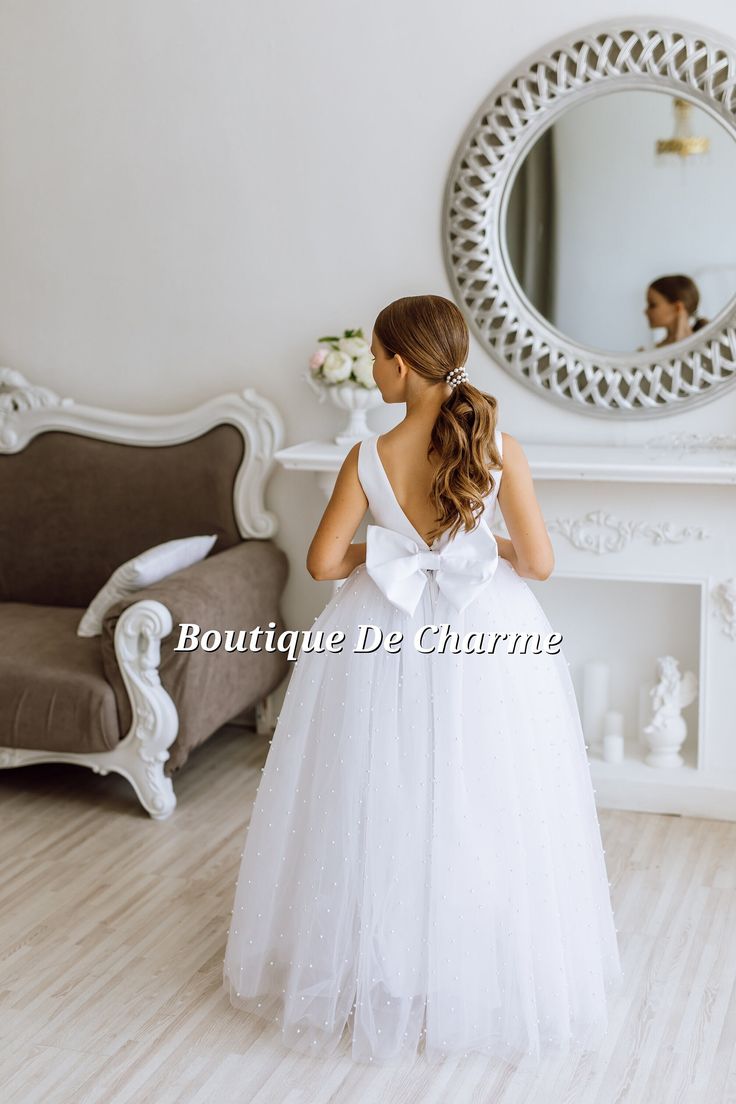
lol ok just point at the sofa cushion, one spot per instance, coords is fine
(149, 567)
(74, 508)
(53, 691)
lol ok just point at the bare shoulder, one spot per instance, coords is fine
(512, 450)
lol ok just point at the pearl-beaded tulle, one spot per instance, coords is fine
(423, 864)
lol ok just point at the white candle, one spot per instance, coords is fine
(613, 723)
(595, 699)
(613, 747)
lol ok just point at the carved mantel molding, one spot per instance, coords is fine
(600, 532)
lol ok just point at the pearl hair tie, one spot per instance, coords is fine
(456, 376)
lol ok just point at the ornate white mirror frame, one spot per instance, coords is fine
(686, 61)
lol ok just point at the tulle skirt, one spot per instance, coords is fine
(423, 864)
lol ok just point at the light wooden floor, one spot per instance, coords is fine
(112, 934)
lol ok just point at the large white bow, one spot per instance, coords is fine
(398, 566)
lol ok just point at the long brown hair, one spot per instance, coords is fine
(684, 289)
(430, 333)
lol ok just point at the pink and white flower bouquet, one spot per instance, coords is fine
(346, 359)
(342, 367)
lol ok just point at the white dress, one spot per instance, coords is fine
(423, 863)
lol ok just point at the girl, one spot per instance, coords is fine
(672, 303)
(423, 863)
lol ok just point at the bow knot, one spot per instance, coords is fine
(398, 566)
(428, 561)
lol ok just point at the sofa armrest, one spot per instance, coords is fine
(239, 588)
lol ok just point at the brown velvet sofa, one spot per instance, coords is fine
(82, 491)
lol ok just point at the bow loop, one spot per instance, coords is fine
(398, 566)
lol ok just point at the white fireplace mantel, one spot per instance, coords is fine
(655, 515)
(614, 463)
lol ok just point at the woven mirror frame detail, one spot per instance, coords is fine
(684, 61)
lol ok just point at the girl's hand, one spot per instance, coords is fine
(506, 551)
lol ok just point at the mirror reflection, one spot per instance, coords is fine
(619, 226)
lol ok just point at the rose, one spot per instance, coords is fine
(353, 346)
(363, 371)
(337, 366)
(317, 360)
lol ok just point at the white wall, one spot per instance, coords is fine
(191, 193)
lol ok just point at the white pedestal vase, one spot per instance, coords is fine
(358, 400)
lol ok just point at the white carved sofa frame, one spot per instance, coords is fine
(27, 410)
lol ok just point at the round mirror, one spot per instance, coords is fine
(588, 233)
(622, 192)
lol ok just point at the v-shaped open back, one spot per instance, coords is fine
(384, 505)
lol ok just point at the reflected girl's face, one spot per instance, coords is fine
(659, 311)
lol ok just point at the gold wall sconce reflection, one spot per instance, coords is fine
(683, 142)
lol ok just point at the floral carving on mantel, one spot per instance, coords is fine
(724, 605)
(600, 532)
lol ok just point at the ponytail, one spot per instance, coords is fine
(464, 436)
(430, 333)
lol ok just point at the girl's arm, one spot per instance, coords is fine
(331, 555)
(529, 551)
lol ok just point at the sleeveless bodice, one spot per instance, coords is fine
(383, 503)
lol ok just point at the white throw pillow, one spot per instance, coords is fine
(148, 567)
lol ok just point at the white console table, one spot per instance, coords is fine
(645, 565)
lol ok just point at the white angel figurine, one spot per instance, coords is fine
(667, 730)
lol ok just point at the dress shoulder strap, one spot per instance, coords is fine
(366, 470)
